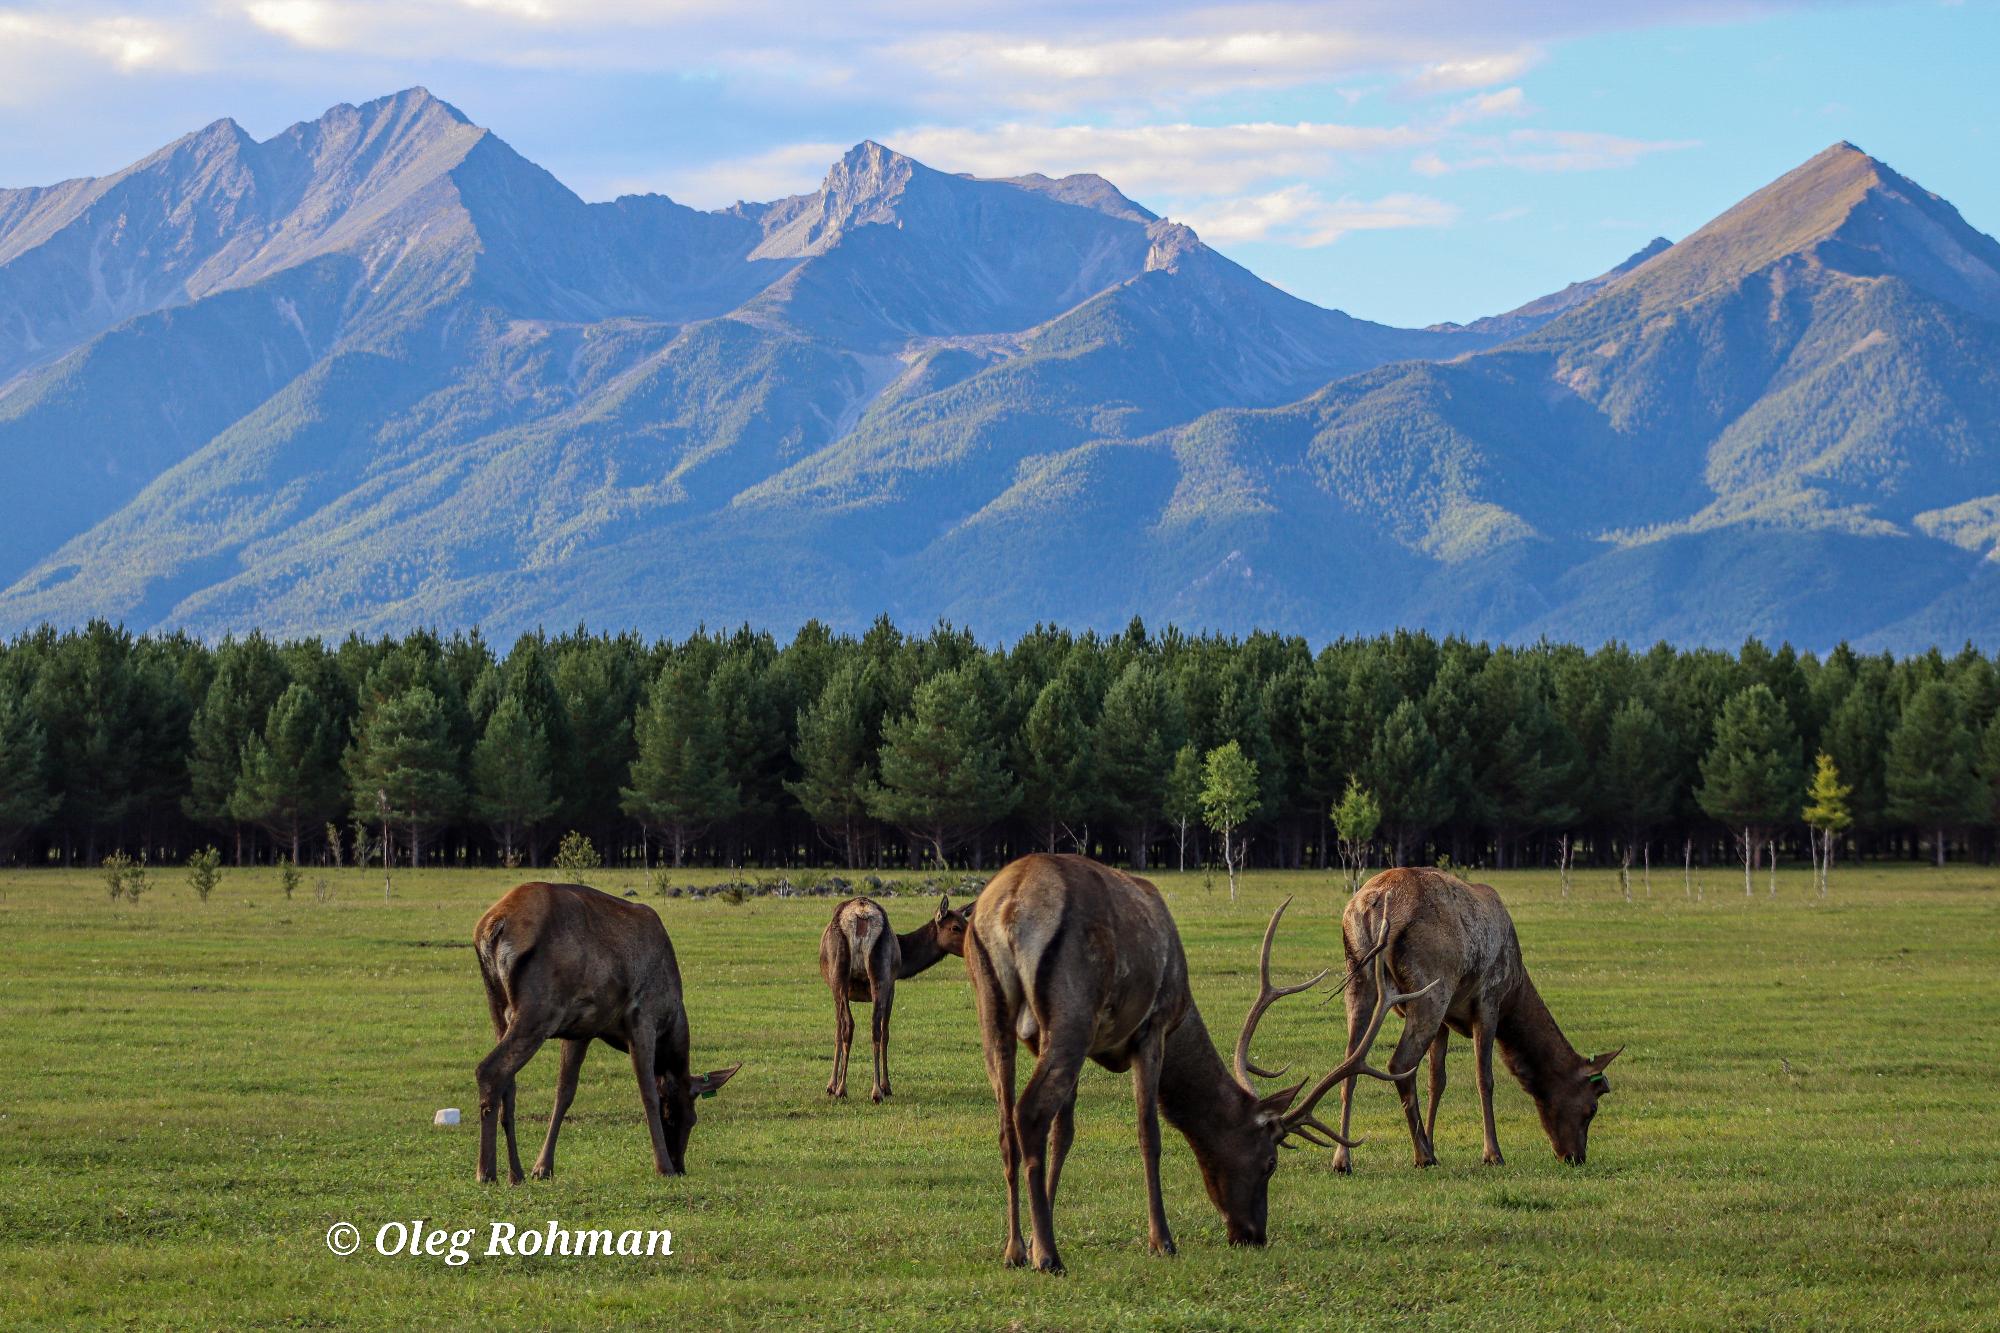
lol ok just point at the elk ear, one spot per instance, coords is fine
(707, 1085)
(1598, 1063)
(1280, 1101)
(944, 906)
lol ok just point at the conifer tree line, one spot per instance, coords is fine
(891, 749)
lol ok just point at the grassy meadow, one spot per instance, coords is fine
(1805, 1128)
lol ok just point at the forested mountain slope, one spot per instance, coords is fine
(380, 370)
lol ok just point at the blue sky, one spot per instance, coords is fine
(1406, 161)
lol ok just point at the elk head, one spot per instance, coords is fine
(677, 1116)
(951, 926)
(1237, 1168)
(1568, 1107)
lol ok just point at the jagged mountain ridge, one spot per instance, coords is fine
(651, 360)
(380, 369)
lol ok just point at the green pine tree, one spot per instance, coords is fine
(405, 757)
(249, 677)
(943, 778)
(26, 803)
(1137, 734)
(1633, 778)
(289, 778)
(1929, 773)
(513, 788)
(680, 775)
(1751, 779)
(1053, 757)
(835, 765)
(1403, 766)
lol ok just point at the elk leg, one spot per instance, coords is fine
(514, 1173)
(1050, 1089)
(1146, 1063)
(1482, 1045)
(1343, 1159)
(1061, 1135)
(833, 965)
(1437, 1083)
(496, 1080)
(644, 1049)
(885, 1001)
(1360, 1000)
(996, 1031)
(1420, 1028)
(843, 1041)
(573, 1051)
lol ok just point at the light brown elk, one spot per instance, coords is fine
(862, 959)
(1079, 961)
(569, 962)
(1455, 943)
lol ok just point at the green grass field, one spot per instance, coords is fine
(1805, 1130)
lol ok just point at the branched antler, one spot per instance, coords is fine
(1267, 995)
(1300, 1118)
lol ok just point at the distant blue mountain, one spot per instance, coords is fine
(381, 370)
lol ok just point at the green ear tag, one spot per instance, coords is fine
(708, 1093)
(1598, 1079)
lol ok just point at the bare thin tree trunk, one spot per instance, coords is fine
(1687, 868)
(1749, 860)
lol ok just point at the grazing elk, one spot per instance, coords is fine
(1079, 961)
(566, 961)
(862, 959)
(1431, 928)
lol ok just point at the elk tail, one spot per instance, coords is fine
(497, 961)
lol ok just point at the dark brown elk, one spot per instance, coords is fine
(1454, 945)
(569, 962)
(862, 959)
(1079, 961)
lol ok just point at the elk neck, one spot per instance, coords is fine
(1532, 1045)
(920, 950)
(1198, 1094)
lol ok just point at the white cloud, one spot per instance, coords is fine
(1489, 106)
(1549, 150)
(1171, 160)
(1298, 215)
(1475, 71)
(42, 53)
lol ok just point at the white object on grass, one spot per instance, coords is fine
(448, 1116)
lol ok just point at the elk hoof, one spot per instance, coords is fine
(1051, 1265)
(1343, 1166)
(543, 1171)
(1492, 1159)
(875, 1095)
(1162, 1245)
(482, 1176)
(515, 1177)
(1014, 1256)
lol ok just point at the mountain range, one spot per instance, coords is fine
(381, 370)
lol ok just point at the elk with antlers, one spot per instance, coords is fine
(862, 959)
(1078, 961)
(569, 962)
(1425, 926)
